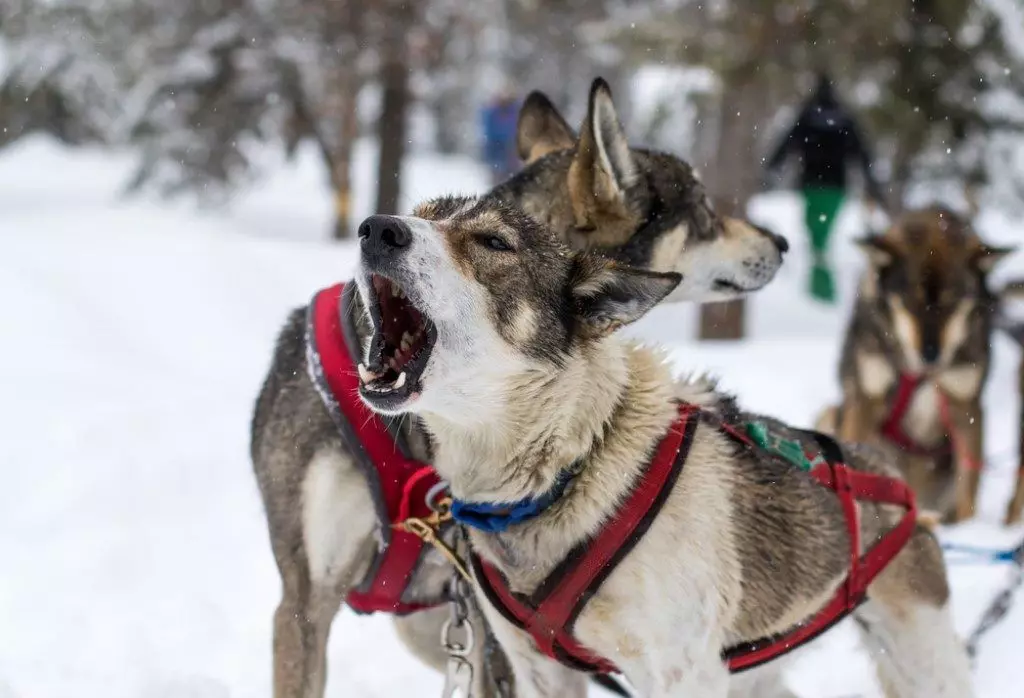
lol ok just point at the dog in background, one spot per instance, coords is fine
(917, 353)
(525, 381)
(596, 192)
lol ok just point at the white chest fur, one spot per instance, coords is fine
(923, 420)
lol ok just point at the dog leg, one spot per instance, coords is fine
(534, 675)
(908, 629)
(319, 563)
(1013, 511)
(421, 634)
(932, 480)
(968, 425)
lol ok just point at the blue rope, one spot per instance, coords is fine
(989, 555)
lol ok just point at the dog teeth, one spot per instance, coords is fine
(366, 375)
(400, 382)
(395, 291)
(406, 341)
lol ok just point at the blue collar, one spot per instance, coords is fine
(497, 517)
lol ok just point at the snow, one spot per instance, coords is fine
(136, 334)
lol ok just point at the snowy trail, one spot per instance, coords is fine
(135, 559)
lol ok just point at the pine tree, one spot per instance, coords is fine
(51, 81)
(199, 108)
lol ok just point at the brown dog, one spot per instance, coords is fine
(917, 354)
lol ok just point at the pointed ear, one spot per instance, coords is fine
(987, 256)
(604, 167)
(607, 295)
(880, 250)
(541, 129)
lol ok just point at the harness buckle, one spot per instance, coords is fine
(427, 528)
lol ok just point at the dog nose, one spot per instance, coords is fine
(930, 351)
(781, 243)
(384, 233)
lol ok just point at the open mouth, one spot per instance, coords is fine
(400, 347)
(727, 286)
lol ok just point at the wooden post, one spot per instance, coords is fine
(733, 176)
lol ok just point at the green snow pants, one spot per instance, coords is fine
(822, 206)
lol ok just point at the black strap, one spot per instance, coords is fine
(830, 448)
(611, 683)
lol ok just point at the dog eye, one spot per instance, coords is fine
(493, 242)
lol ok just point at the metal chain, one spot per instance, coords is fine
(458, 681)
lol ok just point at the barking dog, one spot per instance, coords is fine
(644, 207)
(917, 354)
(520, 380)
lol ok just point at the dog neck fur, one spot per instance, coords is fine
(597, 410)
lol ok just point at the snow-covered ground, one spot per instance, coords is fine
(134, 559)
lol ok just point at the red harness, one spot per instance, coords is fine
(549, 614)
(400, 485)
(892, 428)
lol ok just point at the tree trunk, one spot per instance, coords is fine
(733, 176)
(341, 162)
(392, 131)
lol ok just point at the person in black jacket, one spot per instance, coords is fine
(825, 139)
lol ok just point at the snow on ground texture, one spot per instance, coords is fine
(136, 334)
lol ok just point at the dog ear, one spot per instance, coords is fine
(604, 168)
(607, 295)
(987, 256)
(541, 129)
(881, 251)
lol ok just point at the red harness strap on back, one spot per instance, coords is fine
(849, 485)
(550, 612)
(399, 484)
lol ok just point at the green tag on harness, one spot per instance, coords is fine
(790, 449)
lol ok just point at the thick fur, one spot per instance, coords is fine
(643, 206)
(923, 308)
(527, 377)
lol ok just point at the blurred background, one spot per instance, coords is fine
(201, 93)
(176, 175)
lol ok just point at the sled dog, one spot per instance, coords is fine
(917, 353)
(539, 411)
(639, 206)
